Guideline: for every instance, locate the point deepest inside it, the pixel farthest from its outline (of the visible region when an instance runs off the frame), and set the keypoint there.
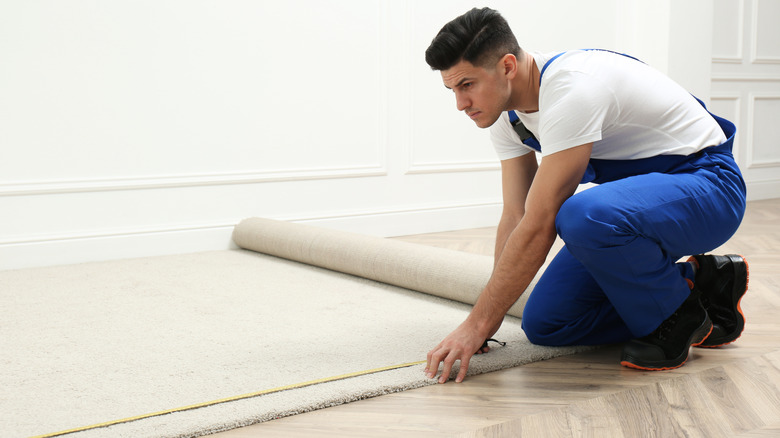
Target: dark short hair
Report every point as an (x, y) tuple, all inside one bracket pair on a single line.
[(480, 36)]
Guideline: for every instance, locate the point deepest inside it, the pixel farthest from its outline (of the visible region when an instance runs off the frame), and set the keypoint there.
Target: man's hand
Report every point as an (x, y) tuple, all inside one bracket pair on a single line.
[(461, 345), (519, 258)]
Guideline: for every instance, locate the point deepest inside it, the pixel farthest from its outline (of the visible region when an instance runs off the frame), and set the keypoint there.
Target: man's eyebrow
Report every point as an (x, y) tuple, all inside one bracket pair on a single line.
[(459, 83)]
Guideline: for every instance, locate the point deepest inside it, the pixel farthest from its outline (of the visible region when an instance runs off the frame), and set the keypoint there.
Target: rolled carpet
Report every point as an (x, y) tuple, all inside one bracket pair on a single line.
[(445, 273)]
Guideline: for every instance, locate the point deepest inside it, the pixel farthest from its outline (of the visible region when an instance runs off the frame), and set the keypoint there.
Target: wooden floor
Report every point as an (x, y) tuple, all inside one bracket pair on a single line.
[(733, 391)]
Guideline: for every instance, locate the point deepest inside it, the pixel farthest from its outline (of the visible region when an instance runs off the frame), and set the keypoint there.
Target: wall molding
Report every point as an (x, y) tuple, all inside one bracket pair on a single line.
[(453, 167), (762, 189), (766, 60), (58, 186), (764, 164), (726, 60), (118, 233), (720, 77), (737, 97)]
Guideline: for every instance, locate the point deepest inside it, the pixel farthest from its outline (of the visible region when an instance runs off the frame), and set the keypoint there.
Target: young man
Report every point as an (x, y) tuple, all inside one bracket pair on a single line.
[(668, 187)]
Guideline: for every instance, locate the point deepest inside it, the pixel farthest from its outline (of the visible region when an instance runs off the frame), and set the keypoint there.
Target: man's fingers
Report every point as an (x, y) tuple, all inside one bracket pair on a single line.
[(432, 366), (458, 346), (464, 367), (483, 349), (445, 372)]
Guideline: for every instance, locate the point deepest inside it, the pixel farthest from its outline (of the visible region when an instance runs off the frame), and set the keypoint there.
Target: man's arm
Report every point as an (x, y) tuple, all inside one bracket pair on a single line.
[(517, 174), (524, 253)]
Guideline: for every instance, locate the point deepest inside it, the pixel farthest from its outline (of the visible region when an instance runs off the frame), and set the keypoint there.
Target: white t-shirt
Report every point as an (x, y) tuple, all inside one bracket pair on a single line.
[(627, 108)]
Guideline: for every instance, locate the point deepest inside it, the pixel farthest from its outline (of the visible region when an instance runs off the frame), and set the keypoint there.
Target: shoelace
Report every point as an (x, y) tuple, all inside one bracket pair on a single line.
[(665, 329)]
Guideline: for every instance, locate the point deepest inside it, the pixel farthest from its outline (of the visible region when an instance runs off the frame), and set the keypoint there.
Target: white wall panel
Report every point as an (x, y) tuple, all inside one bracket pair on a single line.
[(765, 33), (728, 30), (138, 89), (752, 81), (764, 131), (132, 128)]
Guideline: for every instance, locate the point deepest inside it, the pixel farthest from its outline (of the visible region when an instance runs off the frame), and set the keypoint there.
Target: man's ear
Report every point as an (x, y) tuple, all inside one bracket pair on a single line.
[(508, 65)]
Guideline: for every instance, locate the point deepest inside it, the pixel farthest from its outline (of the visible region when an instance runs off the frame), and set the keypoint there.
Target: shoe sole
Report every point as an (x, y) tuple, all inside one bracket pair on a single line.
[(741, 270), (696, 339)]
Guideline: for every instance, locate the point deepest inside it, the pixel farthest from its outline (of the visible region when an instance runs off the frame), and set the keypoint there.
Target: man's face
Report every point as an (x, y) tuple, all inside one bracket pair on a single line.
[(481, 93)]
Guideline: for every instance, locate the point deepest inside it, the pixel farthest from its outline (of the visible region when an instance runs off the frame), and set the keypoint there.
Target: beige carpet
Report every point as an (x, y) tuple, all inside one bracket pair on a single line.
[(187, 345)]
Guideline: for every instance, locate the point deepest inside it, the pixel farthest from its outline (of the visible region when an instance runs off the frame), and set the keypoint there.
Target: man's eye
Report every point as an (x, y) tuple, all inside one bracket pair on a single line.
[(467, 85)]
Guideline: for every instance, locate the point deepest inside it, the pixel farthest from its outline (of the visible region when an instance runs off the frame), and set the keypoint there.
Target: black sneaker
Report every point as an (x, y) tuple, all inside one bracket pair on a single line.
[(667, 347), (723, 281)]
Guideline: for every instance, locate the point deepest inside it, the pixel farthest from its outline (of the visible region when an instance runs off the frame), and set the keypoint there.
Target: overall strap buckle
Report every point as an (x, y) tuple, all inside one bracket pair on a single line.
[(526, 136)]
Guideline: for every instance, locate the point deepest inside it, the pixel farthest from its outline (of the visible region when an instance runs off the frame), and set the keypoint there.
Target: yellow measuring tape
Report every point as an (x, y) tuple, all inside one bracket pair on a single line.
[(230, 399)]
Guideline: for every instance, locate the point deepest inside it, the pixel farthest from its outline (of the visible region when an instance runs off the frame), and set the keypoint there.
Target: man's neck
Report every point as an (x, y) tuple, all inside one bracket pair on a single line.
[(525, 86)]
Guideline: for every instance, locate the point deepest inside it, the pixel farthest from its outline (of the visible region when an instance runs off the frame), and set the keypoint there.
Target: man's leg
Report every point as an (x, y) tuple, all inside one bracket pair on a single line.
[(568, 307), (629, 233)]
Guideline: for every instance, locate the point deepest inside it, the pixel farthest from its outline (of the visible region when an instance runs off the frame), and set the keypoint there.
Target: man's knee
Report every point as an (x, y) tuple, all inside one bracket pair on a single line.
[(585, 220), (541, 331)]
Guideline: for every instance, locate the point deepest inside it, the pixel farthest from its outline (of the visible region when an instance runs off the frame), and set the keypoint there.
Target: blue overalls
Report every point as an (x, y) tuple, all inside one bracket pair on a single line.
[(617, 278)]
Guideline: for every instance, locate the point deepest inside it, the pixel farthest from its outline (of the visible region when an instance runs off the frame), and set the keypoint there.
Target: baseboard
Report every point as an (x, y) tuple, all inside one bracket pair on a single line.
[(758, 190), (36, 251), (81, 248)]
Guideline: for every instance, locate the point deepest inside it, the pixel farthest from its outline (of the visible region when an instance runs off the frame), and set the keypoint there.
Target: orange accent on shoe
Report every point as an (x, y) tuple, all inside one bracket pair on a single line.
[(704, 338), (628, 364), (690, 283), (637, 367), (692, 260)]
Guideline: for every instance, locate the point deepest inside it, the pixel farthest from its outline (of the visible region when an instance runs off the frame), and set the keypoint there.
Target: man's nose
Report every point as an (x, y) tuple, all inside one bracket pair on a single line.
[(462, 102)]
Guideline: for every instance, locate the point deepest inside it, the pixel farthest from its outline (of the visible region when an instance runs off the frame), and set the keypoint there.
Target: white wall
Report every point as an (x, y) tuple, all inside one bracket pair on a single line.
[(134, 128), (746, 87)]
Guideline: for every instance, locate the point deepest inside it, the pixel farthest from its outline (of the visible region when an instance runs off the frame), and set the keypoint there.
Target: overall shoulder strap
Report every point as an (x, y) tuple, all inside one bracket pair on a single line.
[(547, 64), (525, 135)]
